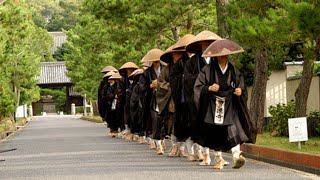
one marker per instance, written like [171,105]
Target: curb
[300,161]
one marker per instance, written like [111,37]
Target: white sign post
[298,130]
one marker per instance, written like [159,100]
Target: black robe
[136,108]
[236,128]
[164,125]
[123,86]
[191,71]
[148,94]
[112,115]
[101,100]
[182,124]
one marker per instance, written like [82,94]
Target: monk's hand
[238,91]
[214,88]
[154,84]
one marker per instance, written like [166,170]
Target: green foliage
[6,105]
[60,52]
[22,46]
[280,115]
[59,95]
[99,38]
[316,115]
[55,15]
[316,68]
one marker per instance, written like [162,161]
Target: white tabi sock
[158,142]
[206,150]
[218,155]
[190,146]
[173,140]
[236,151]
[181,146]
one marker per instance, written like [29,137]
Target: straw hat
[109,74]
[115,76]
[108,69]
[194,46]
[152,55]
[222,47]
[146,64]
[167,56]
[136,72]
[127,65]
[184,41]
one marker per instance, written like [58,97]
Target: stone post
[85,105]
[73,109]
[30,111]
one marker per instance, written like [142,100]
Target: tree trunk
[190,21]
[302,92]
[223,30]
[95,108]
[258,94]
[176,32]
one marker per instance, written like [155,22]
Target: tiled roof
[58,39]
[54,73]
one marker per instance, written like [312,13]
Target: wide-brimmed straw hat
[108,69]
[136,72]
[115,76]
[128,65]
[167,56]
[194,46]
[184,41]
[152,55]
[109,74]
[146,64]
[222,47]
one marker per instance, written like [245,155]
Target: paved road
[65,147]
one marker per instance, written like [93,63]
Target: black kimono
[123,86]
[223,115]
[112,115]
[164,125]
[136,109]
[149,115]
[101,100]
[182,127]
[191,71]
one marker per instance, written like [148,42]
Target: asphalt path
[65,147]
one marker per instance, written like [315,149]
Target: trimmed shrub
[280,115]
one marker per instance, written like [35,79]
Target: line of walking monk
[190,94]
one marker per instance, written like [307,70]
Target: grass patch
[96,119]
[312,146]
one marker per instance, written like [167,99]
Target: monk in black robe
[136,109]
[112,112]
[223,114]
[148,84]
[123,98]
[192,69]
[101,101]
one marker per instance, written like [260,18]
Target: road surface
[65,147]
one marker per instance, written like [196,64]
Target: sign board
[298,130]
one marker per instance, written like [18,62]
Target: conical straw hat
[136,72]
[194,46]
[108,69]
[115,76]
[222,47]
[146,64]
[184,41]
[109,74]
[152,55]
[167,56]
[127,65]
